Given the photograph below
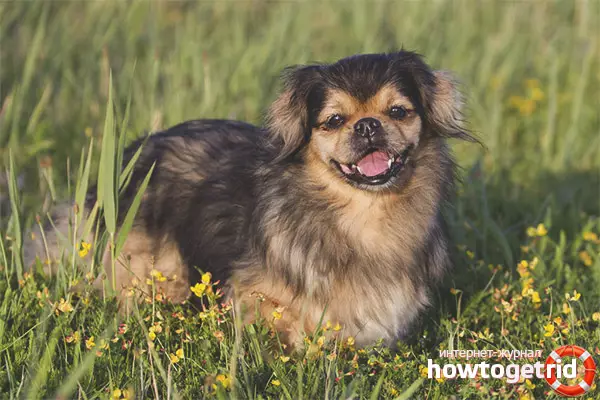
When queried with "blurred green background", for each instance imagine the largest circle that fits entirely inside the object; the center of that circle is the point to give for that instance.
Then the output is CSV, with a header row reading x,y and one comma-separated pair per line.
x,y
530,72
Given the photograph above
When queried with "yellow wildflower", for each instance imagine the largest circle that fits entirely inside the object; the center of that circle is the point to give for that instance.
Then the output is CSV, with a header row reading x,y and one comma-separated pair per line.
x,y
565,308
277,313
337,327
541,230
585,257
350,341
198,289
522,269
206,277
275,382
590,236
73,338
423,371
530,385
224,380
64,306
536,94
179,353
531,232
535,297
548,330
284,358
596,316
470,254
174,359
321,341
84,249
157,275
116,394
89,343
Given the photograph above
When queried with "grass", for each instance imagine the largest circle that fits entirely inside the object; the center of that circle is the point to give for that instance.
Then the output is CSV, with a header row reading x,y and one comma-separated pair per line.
x,y
78,80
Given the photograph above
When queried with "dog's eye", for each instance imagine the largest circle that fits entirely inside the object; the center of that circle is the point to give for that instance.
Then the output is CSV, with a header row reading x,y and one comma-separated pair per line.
x,y
398,112
334,122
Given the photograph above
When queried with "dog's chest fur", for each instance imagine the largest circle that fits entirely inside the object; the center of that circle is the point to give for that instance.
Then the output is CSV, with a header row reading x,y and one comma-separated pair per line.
x,y
358,267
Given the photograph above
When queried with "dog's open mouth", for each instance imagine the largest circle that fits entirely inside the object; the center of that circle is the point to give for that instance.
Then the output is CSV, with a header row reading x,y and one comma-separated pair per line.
x,y
376,167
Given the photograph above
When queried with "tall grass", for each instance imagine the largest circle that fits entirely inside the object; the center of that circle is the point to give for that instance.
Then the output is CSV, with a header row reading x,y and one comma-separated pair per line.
x,y
79,80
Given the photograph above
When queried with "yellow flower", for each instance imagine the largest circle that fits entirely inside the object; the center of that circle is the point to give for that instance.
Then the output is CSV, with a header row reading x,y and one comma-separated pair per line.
x,y
116,394
277,313
89,343
534,263
158,276
535,297
321,341
198,289
206,277
531,232
128,394
179,353
541,230
152,331
337,327
536,94
470,254
596,316
585,257
522,269
350,341
103,344
527,285
423,371
275,382
84,249
64,306
174,359
576,296
590,236
549,330
73,338
284,358
224,380
565,308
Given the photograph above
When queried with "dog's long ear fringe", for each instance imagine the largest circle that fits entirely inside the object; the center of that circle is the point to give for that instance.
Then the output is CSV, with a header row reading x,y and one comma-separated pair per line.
x,y
287,120
447,108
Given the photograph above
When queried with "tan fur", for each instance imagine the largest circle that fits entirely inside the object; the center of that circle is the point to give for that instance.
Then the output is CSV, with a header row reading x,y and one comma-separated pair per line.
x,y
139,257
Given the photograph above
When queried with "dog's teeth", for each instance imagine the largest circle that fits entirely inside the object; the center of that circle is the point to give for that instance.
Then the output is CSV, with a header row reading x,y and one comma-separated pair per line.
x,y
389,163
358,169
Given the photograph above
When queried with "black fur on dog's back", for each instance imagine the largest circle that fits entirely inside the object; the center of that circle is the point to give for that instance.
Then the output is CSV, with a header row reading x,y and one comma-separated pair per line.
x,y
202,191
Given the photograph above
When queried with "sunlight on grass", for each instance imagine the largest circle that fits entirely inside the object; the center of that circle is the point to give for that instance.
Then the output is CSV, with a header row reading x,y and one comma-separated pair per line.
x,y
80,80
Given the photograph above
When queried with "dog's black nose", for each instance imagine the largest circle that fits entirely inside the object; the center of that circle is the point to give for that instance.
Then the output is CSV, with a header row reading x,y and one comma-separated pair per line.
x,y
367,127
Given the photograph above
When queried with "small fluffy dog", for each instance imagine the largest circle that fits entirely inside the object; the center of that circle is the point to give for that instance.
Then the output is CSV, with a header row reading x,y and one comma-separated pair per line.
x,y
331,211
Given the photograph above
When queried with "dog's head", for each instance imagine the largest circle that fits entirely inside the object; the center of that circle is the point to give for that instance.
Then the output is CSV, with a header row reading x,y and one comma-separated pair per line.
x,y
365,116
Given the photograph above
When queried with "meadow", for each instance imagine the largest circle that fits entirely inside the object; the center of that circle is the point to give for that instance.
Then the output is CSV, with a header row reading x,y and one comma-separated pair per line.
x,y
79,80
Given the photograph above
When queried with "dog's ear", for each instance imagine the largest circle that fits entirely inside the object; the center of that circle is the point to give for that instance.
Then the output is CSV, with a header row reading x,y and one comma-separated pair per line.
x,y
446,108
288,119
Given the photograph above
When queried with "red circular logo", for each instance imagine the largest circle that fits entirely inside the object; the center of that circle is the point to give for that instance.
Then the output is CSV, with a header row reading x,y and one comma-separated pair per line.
x,y
588,362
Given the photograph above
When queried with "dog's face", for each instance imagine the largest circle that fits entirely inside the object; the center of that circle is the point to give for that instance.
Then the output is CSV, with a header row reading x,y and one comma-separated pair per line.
x,y
364,117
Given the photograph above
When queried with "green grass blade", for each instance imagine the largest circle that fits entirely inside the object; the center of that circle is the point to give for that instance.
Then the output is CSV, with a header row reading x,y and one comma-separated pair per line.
x,y
125,228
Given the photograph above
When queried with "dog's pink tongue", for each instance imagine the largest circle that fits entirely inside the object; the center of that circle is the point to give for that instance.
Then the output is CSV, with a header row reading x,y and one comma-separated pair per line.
x,y
374,164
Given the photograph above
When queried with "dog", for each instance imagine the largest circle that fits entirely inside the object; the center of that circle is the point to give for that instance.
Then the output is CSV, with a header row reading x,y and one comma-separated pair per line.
x,y
332,211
